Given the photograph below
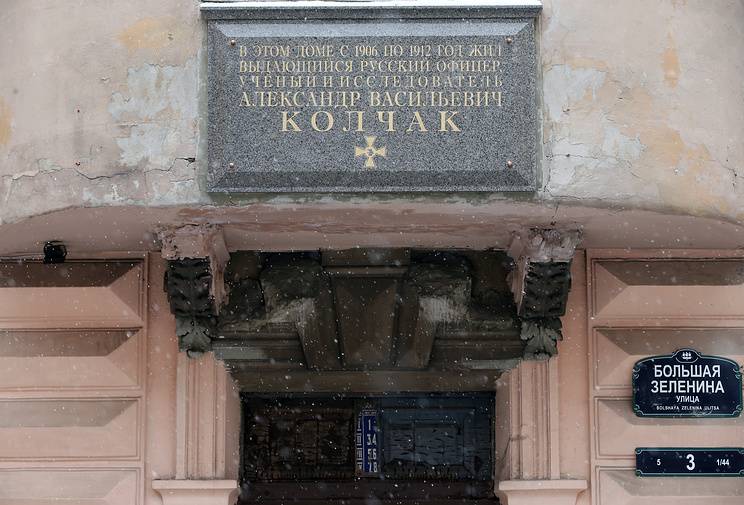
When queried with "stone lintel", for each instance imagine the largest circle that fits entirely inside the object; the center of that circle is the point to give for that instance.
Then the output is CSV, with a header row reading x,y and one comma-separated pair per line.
x,y
352,311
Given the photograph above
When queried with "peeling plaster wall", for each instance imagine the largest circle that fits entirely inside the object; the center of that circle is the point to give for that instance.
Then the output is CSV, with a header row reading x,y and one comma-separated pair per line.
x,y
644,104
101,102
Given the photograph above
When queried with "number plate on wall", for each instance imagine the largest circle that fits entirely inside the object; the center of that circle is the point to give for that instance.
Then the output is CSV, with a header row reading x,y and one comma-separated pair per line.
x,y
367,452
697,462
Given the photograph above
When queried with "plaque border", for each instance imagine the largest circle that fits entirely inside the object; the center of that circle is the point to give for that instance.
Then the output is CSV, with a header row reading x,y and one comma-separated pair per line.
x,y
401,9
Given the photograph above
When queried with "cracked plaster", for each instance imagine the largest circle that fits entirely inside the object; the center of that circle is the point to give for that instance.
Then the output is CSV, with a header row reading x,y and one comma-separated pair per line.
x,y
642,109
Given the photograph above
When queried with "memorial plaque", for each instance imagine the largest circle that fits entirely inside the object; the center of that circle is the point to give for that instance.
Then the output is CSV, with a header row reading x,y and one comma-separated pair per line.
x,y
690,462
687,384
378,104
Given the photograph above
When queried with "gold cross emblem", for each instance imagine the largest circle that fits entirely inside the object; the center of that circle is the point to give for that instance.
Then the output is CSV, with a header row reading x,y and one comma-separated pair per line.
x,y
370,152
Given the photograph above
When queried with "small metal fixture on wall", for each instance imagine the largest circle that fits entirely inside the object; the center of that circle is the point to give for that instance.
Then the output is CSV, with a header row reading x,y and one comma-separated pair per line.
x,y
54,252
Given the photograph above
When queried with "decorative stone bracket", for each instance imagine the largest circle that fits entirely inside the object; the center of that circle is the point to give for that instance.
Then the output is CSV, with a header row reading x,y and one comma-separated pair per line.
x,y
194,281
540,283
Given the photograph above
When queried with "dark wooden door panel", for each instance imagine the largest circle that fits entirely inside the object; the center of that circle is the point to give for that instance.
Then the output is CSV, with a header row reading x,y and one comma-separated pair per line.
x,y
297,440
307,447
435,441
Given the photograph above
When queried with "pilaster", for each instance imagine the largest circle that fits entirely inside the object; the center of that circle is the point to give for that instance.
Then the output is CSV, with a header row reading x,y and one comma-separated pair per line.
x,y
207,435
532,475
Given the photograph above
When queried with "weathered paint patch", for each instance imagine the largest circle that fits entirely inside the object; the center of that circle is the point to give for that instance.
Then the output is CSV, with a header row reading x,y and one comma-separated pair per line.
x,y
577,165
576,62
686,175
5,123
565,86
177,184
149,33
620,146
149,142
670,63
159,114
152,89
665,146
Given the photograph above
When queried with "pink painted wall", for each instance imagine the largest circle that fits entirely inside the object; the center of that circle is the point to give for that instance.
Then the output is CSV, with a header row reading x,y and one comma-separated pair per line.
x,y
97,401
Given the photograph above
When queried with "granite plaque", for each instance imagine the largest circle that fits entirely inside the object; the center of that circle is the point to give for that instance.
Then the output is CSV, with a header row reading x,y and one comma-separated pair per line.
x,y
379,104
687,384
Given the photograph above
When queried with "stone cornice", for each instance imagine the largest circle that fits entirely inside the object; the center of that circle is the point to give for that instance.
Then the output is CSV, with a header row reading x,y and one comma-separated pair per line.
x,y
375,9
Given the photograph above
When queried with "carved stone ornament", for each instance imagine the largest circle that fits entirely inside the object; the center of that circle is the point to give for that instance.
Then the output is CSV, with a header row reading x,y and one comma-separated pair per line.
x,y
366,310
359,310
187,283
541,336
369,309
194,282
540,283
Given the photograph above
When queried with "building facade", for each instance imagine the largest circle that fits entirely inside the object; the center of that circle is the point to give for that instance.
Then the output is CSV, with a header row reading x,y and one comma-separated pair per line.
x,y
180,328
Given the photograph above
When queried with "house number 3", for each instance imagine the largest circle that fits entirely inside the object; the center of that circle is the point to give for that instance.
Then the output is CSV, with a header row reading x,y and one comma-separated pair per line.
x,y
691,462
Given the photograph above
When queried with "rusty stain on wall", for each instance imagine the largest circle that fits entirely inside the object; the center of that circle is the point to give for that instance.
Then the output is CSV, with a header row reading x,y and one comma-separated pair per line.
x,y
149,33
5,122
671,63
